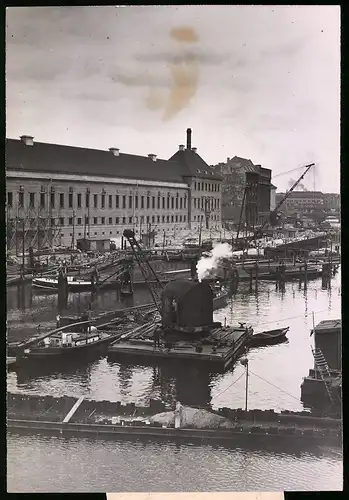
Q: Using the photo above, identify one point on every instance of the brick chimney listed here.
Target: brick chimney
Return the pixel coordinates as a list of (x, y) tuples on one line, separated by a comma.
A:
[(152, 156), (27, 140), (115, 151), (188, 138)]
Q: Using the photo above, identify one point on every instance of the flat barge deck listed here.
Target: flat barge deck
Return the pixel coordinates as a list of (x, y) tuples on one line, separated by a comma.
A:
[(72, 416), (219, 356), (187, 332)]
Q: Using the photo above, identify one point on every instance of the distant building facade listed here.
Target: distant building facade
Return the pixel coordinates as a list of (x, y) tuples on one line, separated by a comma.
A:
[(58, 194), (332, 201), (235, 172), (301, 201)]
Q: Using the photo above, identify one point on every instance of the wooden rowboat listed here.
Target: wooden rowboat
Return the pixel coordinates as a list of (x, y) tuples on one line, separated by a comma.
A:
[(268, 337)]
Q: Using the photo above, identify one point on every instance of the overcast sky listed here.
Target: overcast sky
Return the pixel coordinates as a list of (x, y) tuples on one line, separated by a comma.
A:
[(258, 82)]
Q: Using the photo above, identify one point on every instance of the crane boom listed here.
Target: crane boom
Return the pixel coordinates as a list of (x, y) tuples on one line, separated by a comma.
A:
[(121, 268), (241, 212), (149, 274), (307, 168)]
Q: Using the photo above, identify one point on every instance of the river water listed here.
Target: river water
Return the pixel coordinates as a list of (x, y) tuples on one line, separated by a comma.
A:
[(42, 463)]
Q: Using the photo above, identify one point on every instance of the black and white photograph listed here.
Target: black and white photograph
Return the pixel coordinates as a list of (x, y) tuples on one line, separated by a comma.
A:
[(173, 249)]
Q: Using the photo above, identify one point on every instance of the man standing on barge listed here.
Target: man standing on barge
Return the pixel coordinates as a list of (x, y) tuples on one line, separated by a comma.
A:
[(156, 336)]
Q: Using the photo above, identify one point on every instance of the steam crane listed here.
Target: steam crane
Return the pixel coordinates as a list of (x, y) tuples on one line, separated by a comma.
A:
[(258, 232), (150, 276), (122, 268)]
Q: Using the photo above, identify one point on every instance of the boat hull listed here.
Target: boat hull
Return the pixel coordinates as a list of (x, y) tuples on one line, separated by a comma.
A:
[(42, 284), (290, 275), (268, 338), (54, 352), (220, 302)]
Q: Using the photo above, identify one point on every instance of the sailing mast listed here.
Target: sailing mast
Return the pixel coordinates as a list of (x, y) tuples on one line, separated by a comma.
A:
[(73, 234), (23, 247)]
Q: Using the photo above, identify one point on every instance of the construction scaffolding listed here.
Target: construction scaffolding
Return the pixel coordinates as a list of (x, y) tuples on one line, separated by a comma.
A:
[(33, 227), (27, 232)]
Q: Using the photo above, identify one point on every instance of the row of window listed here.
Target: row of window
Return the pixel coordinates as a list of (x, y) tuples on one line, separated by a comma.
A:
[(201, 218), (60, 221), (117, 233), (208, 203), (113, 201), (206, 186), (310, 201), (95, 233)]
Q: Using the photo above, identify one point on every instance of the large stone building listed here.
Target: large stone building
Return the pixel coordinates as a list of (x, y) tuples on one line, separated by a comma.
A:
[(332, 201), (236, 173), (301, 202), (58, 194)]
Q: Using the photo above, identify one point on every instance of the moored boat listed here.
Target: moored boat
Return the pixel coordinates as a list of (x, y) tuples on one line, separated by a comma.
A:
[(268, 337), (51, 283), (68, 343), (220, 296), (10, 362), (126, 289), (220, 299)]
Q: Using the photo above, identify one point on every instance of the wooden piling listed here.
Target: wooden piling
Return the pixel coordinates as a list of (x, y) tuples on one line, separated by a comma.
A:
[(305, 271), (256, 276), (251, 279)]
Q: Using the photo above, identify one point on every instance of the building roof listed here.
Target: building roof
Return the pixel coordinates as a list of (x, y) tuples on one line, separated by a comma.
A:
[(328, 326), (303, 194), (178, 288), (56, 158), (243, 163), (194, 164)]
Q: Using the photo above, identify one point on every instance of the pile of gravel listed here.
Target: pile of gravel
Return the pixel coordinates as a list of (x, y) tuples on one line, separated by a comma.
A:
[(193, 417)]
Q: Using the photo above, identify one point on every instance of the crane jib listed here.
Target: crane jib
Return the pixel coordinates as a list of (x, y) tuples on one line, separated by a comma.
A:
[(307, 167), (146, 268)]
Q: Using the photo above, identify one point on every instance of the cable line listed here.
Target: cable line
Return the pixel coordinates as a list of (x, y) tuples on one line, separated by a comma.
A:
[(228, 386), (287, 172), (249, 371), (291, 317)]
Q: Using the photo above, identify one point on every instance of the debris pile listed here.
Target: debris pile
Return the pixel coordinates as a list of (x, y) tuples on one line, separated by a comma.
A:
[(192, 417)]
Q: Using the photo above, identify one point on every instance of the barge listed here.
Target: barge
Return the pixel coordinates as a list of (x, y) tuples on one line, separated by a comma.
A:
[(79, 416), (186, 332)]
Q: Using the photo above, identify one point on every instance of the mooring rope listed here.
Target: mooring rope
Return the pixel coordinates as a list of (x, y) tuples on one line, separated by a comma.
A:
[(228, 386), (277, 387), (291, 317)]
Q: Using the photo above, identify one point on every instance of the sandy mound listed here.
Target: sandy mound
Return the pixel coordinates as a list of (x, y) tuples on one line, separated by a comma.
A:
[(192, 417)]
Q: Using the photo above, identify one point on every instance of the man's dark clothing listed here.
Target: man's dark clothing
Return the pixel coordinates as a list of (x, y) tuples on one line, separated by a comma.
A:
[(156, 337)]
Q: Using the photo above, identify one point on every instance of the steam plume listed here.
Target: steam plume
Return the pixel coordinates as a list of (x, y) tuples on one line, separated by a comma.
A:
[(299, 187), (210, 263)]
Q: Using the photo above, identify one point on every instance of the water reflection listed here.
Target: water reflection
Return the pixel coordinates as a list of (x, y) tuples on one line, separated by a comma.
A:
[(153, 465), (305, 296)]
